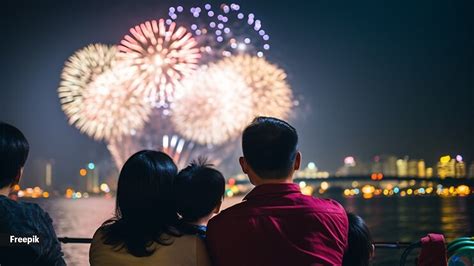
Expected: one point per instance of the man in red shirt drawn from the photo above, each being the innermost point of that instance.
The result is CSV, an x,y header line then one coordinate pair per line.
x,y
276,224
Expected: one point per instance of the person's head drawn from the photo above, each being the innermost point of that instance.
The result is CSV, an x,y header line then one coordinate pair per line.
x,y
14,150
144,205
199,190
270,150
360,249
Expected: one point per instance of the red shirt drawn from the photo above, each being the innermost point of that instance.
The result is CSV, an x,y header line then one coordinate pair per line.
x,y
277,225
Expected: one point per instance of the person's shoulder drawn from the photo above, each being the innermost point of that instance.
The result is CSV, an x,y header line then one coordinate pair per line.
x,y
99,235
36,209
104,254
326,204
191,248
228,213
25,207
193,239
184,243
22,212
98,247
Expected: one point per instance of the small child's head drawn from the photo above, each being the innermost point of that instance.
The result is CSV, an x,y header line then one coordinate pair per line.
x,y
360,249
199,190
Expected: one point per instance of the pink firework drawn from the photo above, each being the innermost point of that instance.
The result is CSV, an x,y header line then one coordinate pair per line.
x,y
161,55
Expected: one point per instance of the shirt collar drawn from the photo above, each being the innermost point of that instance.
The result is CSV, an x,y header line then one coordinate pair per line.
x,y
273,189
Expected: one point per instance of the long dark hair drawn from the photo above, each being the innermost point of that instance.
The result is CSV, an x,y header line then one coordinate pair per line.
x,y
360,248
144,211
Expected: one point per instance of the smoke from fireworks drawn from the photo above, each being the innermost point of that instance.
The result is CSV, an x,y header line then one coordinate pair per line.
x,y
160,134
271,94
162,56
107,108
213,105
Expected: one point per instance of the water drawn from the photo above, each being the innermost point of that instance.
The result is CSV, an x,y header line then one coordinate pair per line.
x,y
390,219
409,219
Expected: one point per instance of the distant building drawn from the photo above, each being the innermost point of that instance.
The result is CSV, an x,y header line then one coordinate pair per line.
x,y
48,175
450,167
429,172
402,167
442,166
471,171
377,166
451,170
421,168
412,168
389,165
384,164
40,174
460,169
311,171
92,178
352,168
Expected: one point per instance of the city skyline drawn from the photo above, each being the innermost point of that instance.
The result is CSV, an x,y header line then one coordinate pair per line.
x,y
89,178
383,176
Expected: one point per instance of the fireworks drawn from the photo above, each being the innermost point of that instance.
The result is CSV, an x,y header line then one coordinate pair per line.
x,y
162,56
81,69
213,106
222,31
271,94
107,108
187,85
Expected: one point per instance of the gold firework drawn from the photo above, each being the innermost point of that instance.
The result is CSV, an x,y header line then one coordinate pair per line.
x,y
271,94
213,105
107,108
161,56
82,68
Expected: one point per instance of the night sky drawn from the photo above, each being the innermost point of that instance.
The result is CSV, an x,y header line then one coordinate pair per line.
x,y
373,77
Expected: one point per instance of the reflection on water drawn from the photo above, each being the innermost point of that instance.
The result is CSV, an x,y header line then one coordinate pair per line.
x,y
77,218
409,219
390,219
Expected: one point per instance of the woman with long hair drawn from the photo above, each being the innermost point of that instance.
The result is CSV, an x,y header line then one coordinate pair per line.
x,y
143,230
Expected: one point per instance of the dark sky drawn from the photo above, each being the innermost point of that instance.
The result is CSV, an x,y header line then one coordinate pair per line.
x,y
375,77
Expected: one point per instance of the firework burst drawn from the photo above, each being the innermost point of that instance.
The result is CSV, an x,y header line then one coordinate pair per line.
x,y
161,56
107,108
213,105
82,68
222,30
271,94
